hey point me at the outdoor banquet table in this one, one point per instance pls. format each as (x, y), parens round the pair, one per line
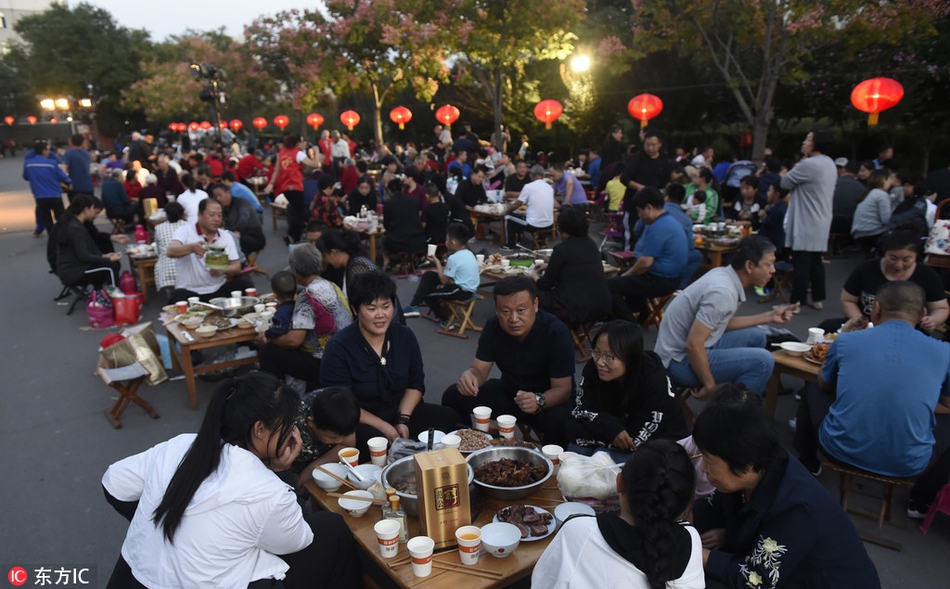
(190, 341)
(796, 366)
(145, 268)
(713, 253)
(490, 276)
(516, 566)
(488, 218)
(371, 238)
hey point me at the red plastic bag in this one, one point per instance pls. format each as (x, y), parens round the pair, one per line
(99, 310)
(128, 309)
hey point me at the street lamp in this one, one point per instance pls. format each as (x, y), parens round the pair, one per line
(580, 63)
(85, 102)
(48, 104)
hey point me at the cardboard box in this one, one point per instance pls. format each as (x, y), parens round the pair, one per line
(444, 504)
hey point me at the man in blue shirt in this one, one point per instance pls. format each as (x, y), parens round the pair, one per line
(593, 168)
(458, 281)
(569, 187)
(46, 179)
(77, 161)
(675, 196)
(879, 394)
(241, 191)
(662, 253)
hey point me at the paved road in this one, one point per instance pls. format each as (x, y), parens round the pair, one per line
(57, 443)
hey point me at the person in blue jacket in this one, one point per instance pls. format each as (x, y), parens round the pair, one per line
(46, 179)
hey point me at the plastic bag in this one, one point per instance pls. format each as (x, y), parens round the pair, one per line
(128, 309)
(402, 447)
(588, 476)
(99, 310)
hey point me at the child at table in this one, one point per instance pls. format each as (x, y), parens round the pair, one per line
(697, 207)
(458, 281)
(285, 289)
(327, 422)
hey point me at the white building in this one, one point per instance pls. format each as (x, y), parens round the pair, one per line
(13, 10)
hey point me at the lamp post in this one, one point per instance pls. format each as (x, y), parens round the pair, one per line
(213, 79)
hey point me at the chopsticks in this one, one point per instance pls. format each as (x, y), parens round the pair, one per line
(404, 559)
(485, 574)
(545, 500)
(342, 480)
(372, 500)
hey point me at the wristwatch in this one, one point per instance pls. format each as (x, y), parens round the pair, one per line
(542, 402)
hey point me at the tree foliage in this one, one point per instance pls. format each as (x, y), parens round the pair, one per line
(756, 44)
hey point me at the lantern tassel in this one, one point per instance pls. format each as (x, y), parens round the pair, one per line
(872, 119)
(643, 123)
(402, 126)
(547, 126)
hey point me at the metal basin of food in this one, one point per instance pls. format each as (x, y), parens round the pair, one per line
(491, 454)
(232, 307)
(406, 467)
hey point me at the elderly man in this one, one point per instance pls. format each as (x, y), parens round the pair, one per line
(534, 353)
(240, 219)
(188, 247)
(882, 401)
(701, 343)
(662, 253)
(538, 196)
(168, 177)
(808, 220)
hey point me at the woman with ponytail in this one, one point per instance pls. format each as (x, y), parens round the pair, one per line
(647, 546)
(208, 510)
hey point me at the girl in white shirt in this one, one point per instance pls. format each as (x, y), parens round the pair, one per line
(645, 547)
(208, 510)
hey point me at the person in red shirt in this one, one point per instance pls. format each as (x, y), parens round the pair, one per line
(288, 180)
(349, 175)
(214, 162)
(353, 144)
(132, 186)
(326, 145)
(250, 165)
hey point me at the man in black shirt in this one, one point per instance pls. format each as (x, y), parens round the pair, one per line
(534, 353)
(471, 191)
(517, 181)
(648, 167)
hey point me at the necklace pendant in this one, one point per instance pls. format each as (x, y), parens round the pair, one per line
(382, 361)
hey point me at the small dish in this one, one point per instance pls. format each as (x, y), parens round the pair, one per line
(206, 330)
(355, 507)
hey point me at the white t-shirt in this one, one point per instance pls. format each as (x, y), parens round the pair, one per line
(238, 521)
(189, 199)
(539, 198)
(579, 557)
(340, 149)
(190, 271)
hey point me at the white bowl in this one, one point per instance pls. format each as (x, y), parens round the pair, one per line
(566, 510)
(437, 436)
(206, 330)
(500, 539)
(325, 481)
(795, 348)
(356, 507)
(369, 472)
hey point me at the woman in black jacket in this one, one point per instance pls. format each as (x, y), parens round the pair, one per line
(574, 287)
(624, 396)
(76, 249)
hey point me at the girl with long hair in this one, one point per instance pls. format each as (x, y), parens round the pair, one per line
(208, 510)
(647, 546)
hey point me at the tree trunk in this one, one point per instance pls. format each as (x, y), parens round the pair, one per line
(760, 134)
(497, 105)
(377, 117)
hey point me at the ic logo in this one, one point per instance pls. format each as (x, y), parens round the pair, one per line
(17, 576)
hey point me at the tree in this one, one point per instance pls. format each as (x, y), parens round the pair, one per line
(69, 50)
(167, 90)
(496, 41)
(756, 44)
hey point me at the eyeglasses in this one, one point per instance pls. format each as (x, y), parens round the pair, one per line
(597, 356)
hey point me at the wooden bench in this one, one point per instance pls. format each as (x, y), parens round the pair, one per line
(578, 335)
(460, 317)
(847, 474)
(655, 308)
(126, 380)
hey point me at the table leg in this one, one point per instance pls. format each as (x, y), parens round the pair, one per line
(504, 232)
(189, 370)
(716, 258)
(142, 270)
(372, 247)
(772, 389)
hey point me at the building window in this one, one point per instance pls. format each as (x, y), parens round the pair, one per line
(3, 21)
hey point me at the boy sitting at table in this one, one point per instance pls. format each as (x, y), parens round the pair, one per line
(285, 290)
(458, 281)
(327, 422)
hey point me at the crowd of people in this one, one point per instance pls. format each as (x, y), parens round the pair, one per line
(340, 366)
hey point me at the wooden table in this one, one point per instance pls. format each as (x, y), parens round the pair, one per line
(371, 237)
(277, 211)
(488, 218)
(713, 253)
(190, 341)
(145, 268)
(796, 366)
(516, 566)
(493, 277)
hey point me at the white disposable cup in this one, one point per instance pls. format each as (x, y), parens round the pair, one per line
(468, 549)
(506, 425)
(251, 292)
(815, 335)
(420, 550)
(564, 456)
(451, 441)
(430, 249)
(387, 535)
(259, 308)
(350, 456)
(480, 258)
(377, 450)
(538, 262)
(236, 294)
(193, 300)
(482, 418)
(505, 263)
(552, 452)
(271, 305)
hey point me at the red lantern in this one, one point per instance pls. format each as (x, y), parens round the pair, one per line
(222, 125)
(447, 114)
(236, 125)
(31, 120)
(53, 120)
(315, 120)
(9, 120)
(876, 95)
(645, 107)
(194, 126)
(350, 118)
(182, 127)
(548, 111)
(259, 123)
(205, 125)
(400, 115)
(281, 121)
(172, 127)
